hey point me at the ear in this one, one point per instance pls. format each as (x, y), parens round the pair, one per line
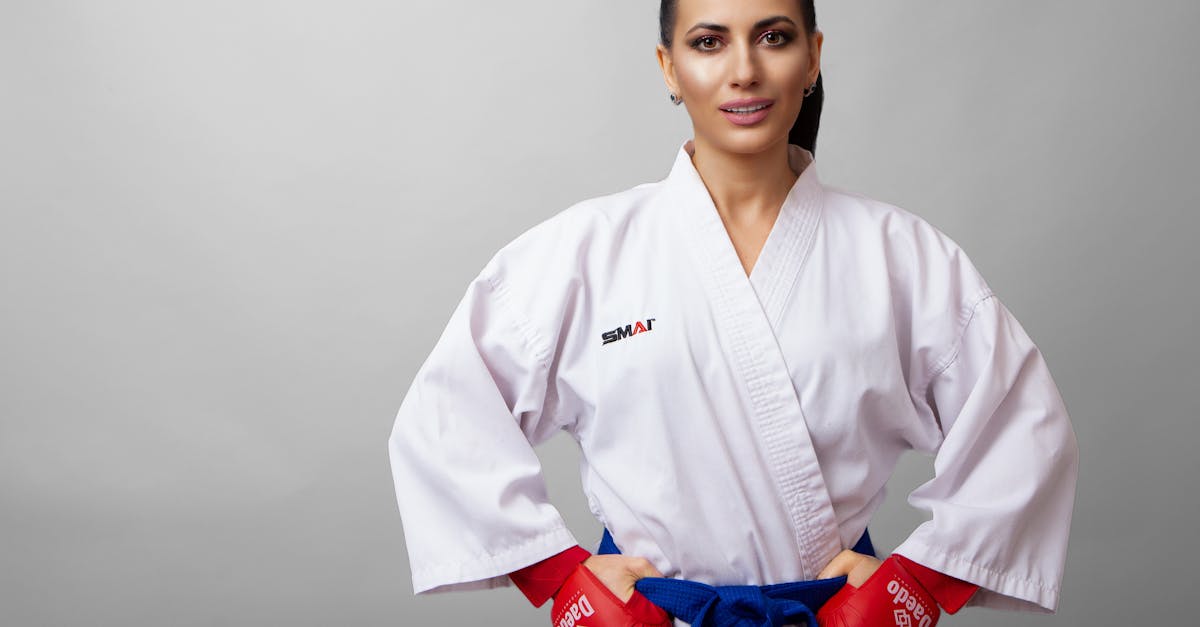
(668, 68)
(814, 55)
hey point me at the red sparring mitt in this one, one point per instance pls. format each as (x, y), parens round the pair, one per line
(890, 596)
(584, 601)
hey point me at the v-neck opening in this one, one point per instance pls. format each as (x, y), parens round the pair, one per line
(783, 253)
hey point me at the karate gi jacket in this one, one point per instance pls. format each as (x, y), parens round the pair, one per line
(736, 429)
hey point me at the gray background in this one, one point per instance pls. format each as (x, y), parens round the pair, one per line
(232, 231)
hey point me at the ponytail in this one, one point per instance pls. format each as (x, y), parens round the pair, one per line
(804, 130)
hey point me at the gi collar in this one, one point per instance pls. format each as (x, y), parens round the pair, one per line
(686, 179)
(787, 246)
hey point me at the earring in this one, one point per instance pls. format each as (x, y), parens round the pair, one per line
(676, 99)
(811, 88)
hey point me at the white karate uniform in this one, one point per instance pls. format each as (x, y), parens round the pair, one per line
(746, 436)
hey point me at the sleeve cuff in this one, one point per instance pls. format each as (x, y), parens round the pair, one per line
(950, 593)
(540, 581)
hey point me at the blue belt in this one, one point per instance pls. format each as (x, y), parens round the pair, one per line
(702, 605)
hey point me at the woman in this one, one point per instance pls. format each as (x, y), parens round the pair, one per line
(742, 354)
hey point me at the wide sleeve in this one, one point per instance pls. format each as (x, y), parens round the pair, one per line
(1005, 468)
(468, 482)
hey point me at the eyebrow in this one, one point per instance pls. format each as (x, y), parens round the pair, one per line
(757, 25)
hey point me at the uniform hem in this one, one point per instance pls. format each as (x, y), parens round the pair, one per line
(491, 570)
(997, 590)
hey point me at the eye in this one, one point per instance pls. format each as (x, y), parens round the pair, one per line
(776, 37)
(705, 43)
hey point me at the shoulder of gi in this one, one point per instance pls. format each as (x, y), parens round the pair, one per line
(550, 275)
(935, 287)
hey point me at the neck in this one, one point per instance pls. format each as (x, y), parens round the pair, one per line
(745, 188)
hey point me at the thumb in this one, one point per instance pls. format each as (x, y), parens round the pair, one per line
(841, 564)
(641, 567)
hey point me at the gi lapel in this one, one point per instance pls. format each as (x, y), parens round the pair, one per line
(791, 237)
(747, 311)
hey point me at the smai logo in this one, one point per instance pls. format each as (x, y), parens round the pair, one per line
(621, 333)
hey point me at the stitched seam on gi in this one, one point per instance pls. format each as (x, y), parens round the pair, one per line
(528, 333)
(966, 315)
(530, 338)
(806, 233)
(783, 238)
(787, 473)
(492, 559)
(768, 425)
(997, 573)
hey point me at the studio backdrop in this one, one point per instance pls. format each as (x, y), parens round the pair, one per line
(230, 232)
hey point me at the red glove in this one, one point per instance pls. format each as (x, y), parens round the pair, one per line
(890, 596)
(584, 601)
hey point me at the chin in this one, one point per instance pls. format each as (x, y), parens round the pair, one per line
(748, 141)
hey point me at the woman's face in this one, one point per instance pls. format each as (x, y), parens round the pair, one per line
(755, 51)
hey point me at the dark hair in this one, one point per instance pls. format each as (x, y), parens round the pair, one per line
(804, 130)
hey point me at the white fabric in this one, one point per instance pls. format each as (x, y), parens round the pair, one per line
(746, 437)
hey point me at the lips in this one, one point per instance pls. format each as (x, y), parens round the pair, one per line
(750, 109)
(747, 111)
(746, 105)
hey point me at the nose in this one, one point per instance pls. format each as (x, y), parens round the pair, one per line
(744, 72)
